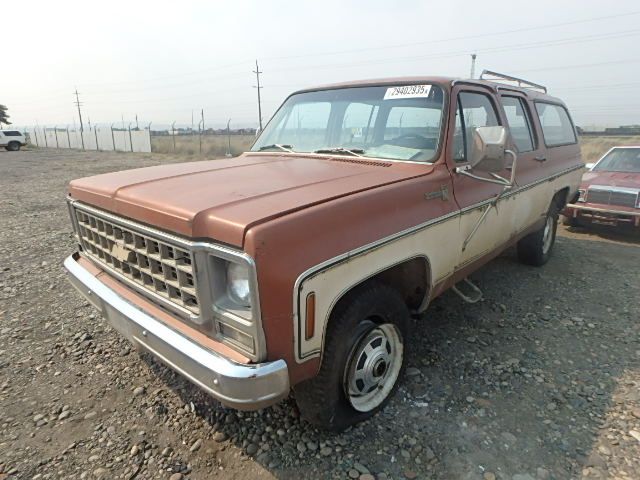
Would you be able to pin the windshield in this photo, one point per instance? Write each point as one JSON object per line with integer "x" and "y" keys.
{"x": 620, "y": 160}
{"x": 393, "y": 122}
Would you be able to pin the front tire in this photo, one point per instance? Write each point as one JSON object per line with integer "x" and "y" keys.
{"x": 570, "y": 222}
{"x": 13, "y": 146}
{"x": 364, "y": 357}
{"x": 535, "y": 249}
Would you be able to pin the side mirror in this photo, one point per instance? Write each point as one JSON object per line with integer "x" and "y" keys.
{"x": 487, "y": 153}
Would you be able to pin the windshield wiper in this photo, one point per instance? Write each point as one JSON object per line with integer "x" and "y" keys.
{"x": 356, "y": 152}
{"x": 285, "y": 148}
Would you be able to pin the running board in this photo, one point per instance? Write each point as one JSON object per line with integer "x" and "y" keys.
{"x": 475, "y": 294}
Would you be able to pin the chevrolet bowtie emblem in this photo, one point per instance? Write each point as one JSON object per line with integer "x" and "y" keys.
{"x": 122, "y": 253}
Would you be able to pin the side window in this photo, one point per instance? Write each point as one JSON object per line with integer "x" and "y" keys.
{"x": 357, "y": 124}
{"x": 519, "y": 123}
{"x": 557, "y": 127}
{"x": 474, "y": 110}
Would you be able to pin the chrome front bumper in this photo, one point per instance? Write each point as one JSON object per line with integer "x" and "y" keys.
{"x": 241, "y": 386}
{"x": 602, "y": 215}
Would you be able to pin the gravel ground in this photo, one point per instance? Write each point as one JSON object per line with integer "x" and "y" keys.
{"x": 541, "y": 380}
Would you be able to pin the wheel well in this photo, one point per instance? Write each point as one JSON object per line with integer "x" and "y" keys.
{"x": 411, "y": 278}
{"x": 561, "y": 197}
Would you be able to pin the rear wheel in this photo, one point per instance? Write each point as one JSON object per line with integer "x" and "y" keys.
{"x": 13, "y": 146}
{"x": 363, "y": 359}
{"x": 535, "y": 249}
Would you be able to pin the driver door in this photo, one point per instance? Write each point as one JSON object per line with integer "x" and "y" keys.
{"x": 475, "y": 107}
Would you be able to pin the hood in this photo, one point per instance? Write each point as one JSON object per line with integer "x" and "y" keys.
{"x": 222, "y": 199}
{"x": 612, "y": 179}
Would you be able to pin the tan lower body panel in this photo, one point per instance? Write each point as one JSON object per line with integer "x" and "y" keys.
{"x": 439, "y": 242}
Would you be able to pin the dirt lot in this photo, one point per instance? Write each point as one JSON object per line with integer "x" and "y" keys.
{"x": 539, "y": 381}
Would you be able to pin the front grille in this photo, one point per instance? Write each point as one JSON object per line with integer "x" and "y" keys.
{"x": 612, "y": 197}
{"x": 155, "y": 265}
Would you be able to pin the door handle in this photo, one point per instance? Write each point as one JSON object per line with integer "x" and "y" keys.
{"x": 540, "y": 158}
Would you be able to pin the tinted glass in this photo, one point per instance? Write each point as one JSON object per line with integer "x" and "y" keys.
{"x": 11, "y": 133}
{"x": 394, "y": 122}
{"x": 519, "y": 125}
{"x": 557, "y": 128}
{"x": 620, "y": 160}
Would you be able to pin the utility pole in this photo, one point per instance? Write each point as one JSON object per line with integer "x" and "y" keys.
{"x": 473, "y": 65}
{"x": 78, "y": 104}
{"x": 258, "y": 87}
{"x": 137, "y": 127}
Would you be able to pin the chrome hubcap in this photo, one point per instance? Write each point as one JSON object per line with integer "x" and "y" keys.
{"x": 547, "y": 235}
{"x": 373, "y": 367}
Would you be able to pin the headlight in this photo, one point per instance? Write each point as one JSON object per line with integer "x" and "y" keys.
{"x": 235, "y": 303}
{"x": 238, "y": 284}
{"x": 581, "y": 196}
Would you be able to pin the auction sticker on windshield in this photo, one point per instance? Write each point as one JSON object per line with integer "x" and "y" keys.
{"x": 408, "y": 91}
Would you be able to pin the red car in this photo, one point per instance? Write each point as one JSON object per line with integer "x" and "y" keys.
{"x": 610, "y": 191}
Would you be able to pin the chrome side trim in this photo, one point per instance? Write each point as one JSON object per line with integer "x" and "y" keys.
{"x": 243, "y": 386}
{"x": 391, "y": 238}
{"x": 298, "y": 325}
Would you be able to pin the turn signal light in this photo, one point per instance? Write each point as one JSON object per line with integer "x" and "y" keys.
{"x": 310, "y": 323}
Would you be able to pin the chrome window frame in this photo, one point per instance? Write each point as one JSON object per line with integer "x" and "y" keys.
{"x": 210, "y": 313}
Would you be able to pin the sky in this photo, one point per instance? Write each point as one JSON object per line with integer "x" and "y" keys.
{"x": 167, "y": 61}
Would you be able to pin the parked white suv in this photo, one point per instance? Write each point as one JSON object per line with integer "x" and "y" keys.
{"x": 12, "y": 140}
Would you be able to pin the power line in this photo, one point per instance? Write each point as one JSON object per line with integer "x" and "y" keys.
{"x": 449, "y": 54}
{"x": 583, "y": 65}
{"x": 459, "y": 53}
{"x": 464, "y": 37}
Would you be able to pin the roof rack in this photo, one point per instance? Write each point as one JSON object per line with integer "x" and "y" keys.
{"x": 509, "y": 80}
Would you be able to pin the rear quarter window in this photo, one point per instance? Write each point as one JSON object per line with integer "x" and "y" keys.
{"x": 557, "y": 127}
{"x": 11, "y": 133}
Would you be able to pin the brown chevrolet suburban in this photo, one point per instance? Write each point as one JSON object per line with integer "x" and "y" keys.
{"x": 298, "y": 263}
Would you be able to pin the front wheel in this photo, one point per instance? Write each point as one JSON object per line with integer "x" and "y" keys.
{"x": 363, "y": 359}
{"x": 535, "y": 249}
{"x": 570, "y": 221}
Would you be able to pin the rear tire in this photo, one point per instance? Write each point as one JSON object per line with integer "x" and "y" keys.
{"x": 364, "y": 357}
{"x": 535, "y": 249}
{"x": 13, "y": 146}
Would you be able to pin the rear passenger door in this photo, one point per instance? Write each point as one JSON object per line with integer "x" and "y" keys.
{"x": 522, "y": 137}
{"x": 525, "y": 206}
